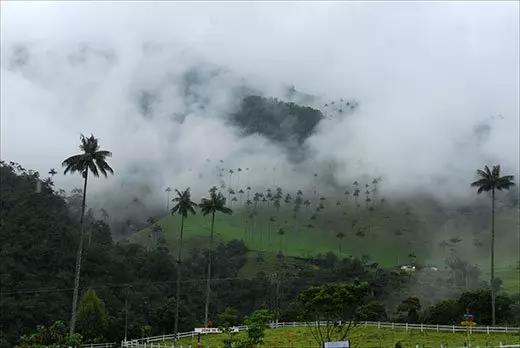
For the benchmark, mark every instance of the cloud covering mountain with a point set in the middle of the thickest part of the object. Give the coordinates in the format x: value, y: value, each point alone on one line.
x: 156, y: 82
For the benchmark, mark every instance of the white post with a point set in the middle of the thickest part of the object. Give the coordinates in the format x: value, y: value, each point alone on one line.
x: 438, y: 331
x: 378, y: 324
x: 453, y: 329
x: 422, y: 327
x: 406, y: 326
x: 392, y: 325
x: 487, y: 329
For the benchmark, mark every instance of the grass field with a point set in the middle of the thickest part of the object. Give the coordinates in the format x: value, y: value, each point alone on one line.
x: 366, y: 337
x: 386, y: 235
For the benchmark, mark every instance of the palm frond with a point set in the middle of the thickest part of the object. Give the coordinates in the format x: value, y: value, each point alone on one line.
x: 93, y: 168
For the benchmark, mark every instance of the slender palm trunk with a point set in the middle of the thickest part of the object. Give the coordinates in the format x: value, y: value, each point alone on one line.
x: 78, y: 261
x: 269, y: 234
x: 178, y: 295
x: 208, y: 288
x: 493, y: 313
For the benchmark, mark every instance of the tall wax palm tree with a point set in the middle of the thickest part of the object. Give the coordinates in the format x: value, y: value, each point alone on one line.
x: 91, y: 159
x: 271, y: 220
x: 489, y: 180
x: 241, y: 194
x: 340, y: 236
x: 183, y: 207
x: 356, y: 195
x: 168, y: 190
x: 281, y: 232
x: 216, y: 203
x: 315, y: 181
x: 231, y: 171
x: 346, y: 193
x: 307, y: 204
x: 52, y: 172
x: 238, y: 177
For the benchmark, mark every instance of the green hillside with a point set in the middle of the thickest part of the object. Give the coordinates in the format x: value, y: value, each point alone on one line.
x: 389, y: 233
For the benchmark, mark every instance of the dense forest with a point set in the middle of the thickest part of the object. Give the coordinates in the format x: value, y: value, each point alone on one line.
x: 39, y: 234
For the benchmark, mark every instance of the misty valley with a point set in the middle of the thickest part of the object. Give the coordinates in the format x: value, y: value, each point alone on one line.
x: 247, y: 175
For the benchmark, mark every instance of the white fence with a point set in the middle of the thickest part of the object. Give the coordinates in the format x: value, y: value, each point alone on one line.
x: 148, y: 342
x: 98, y: 345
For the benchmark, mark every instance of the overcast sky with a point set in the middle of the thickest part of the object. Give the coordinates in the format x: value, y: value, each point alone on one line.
x: 425, y: 74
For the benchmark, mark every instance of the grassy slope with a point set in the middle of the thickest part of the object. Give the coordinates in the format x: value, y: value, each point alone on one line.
x: 367, y: 337
x: 420, y: 233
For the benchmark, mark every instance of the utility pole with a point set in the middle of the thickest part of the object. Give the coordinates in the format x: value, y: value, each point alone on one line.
x: 127, y: 290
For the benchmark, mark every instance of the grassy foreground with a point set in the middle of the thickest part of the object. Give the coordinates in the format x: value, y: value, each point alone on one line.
x: 365, y: 337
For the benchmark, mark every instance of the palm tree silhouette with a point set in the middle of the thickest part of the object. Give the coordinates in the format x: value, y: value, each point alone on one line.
x: 168, y: 190
x: 307, y: 204
x: 238, y: 177
x: 315, y: 181
x: 240, y: 194
x: 271, y: 220
x: 183, y: 207
x: 281, y: 232
x: 215, y: 203
x: 231, y: 171
x: 93, y: 160
x: 356, y: 195
x: 491, y: 181
x: 340, y: 236
x: 346, y: 193
x: 52, y: 172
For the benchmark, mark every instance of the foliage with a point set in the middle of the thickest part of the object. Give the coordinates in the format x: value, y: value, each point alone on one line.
x: 227, y: 319
x: 373, y: 311
x: 444, y: 312
x: 92, y: 321
x: 335, y: 304
x: 53, y: 336
x: 257, y: 323
x: 277, y: 120
x: 409, y: 310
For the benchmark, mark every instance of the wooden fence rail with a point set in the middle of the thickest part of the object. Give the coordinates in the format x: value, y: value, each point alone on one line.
x: 148, y: 341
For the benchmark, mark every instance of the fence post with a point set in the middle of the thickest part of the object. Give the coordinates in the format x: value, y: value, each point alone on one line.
x: 378, y: 324
x: 453, y: 329
x: 406, y: 327
x: 438, y: 331
x: 422, y: 327
x: 366, y: 323
x: 487, y: 329
x: 392, y: 325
